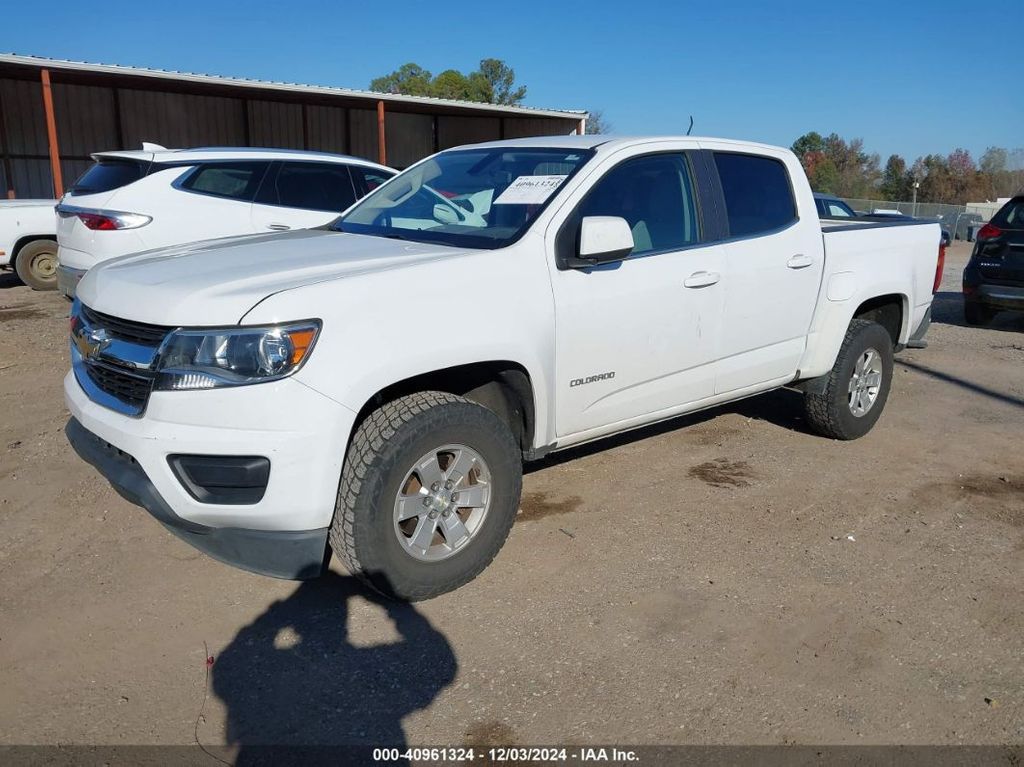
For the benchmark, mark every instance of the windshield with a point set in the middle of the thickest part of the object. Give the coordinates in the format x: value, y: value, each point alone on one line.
x: 474, y: 198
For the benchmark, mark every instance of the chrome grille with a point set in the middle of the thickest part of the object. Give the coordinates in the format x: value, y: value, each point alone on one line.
x: 128, y: 330
x: 130, y: 388
x: 114, y: 358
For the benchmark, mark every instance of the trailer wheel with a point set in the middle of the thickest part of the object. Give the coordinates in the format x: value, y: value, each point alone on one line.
x: 857, y: 386
x: 429, y: 491
x: 36, y: 264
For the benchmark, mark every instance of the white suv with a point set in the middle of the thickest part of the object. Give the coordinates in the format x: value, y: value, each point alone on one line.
x: 138, y: 200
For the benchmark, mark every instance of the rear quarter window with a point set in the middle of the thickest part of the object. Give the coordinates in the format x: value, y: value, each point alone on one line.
x: 1011, y: 215
x: 232, y: 180
x: 758, y: 193
x: 108, y: 175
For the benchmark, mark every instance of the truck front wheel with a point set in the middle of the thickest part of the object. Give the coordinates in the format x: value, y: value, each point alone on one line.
x: 36, y: 264
x: 429, y: 491
x: 857, y: 386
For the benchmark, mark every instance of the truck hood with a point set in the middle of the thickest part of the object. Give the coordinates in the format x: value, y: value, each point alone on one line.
x: 218, y: 281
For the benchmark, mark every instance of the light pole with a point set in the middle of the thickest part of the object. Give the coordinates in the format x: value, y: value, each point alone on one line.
x: 916, y: 185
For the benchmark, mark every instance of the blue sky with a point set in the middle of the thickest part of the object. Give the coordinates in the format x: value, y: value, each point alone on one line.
x: 907, y: 77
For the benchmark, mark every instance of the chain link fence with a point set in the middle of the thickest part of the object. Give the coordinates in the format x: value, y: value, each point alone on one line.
x: 961, y: 221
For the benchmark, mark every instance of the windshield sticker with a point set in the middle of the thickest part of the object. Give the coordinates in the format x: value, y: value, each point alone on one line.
x: 529, y: 190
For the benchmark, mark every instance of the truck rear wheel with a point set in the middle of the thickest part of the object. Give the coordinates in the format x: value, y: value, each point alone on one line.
x: 36, y: 264
x: 428, y: 494
x: 857, y: 386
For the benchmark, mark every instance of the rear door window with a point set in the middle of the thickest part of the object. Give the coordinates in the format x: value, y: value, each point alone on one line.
x: 310, y: 186
x: 108, y: 175
x: 758, y: 195
x: 233, y: 180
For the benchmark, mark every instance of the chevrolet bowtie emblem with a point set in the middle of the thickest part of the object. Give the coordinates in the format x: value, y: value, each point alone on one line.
x: 91, y: 341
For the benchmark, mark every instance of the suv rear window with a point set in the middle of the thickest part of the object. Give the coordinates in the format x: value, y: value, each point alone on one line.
x: 107, y: 175
x: 1011, y: 215
x: 234, y: 180
x: 758, y: 195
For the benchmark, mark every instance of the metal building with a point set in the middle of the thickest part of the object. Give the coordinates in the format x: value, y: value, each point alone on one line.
x: 54, y: 114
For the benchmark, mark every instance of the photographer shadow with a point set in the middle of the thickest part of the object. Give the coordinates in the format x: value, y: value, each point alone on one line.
x: 296, y: 688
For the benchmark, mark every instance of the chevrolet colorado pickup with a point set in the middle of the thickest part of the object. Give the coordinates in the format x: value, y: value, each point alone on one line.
x: 371, y: 387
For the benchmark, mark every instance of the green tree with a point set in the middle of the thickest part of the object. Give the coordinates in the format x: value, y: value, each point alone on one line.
x: 409, y: 79
x: 494, y: 83
x: 497, y: 83
x: 808, y: 143
x: 835, y: 166
x: 451, y: 84
x: 896, y: 181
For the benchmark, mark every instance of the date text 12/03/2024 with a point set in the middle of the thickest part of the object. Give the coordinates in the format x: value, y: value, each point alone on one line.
x: 506, y: 754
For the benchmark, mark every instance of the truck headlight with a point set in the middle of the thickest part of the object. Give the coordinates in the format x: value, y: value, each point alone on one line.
x: 208, y: 359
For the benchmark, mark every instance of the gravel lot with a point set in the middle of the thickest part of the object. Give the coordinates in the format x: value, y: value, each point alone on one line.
x: 726, y: 578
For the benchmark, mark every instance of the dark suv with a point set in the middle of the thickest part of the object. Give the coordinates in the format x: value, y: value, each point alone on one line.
x: 994, y: 277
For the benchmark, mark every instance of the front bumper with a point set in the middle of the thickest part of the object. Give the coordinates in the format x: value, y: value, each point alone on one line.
x: 68, y: 279
x: 301, y: 432
x: 281, y: 554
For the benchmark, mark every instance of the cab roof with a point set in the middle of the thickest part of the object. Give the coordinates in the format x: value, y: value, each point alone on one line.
x: 605, y: 143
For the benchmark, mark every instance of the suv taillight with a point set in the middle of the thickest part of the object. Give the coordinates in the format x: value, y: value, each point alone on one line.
x: 97, y: 221
x: 940, y: 264
x: 103, y: 220
x: 988, y: 231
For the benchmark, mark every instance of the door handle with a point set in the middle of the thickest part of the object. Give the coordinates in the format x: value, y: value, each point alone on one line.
x: 701, y: 279
x: 279, y: 227
x: 799, y: 261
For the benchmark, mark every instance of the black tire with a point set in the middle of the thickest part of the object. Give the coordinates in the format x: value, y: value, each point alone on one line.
x: 977, y: 314
x: 385, y: 447
x: 36, y: 264
x: 829, y: 413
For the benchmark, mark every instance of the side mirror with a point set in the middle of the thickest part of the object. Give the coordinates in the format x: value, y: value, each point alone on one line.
x: 603, y: 239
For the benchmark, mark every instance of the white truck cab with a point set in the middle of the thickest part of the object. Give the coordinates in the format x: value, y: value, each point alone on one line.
x: 372, y: 387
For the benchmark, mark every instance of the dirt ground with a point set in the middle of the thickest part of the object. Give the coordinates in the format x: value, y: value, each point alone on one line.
x: 726, y: 578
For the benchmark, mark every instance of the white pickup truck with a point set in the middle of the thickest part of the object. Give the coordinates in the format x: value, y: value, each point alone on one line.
x: 373, y: 386
x: 28, y: 241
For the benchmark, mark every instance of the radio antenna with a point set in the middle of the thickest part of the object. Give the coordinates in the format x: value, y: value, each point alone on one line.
x: 691, y: 126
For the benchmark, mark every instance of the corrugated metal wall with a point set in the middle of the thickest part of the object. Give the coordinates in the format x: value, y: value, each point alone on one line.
x: 86, y: 119
x: 93, y: 118
x: 275, y: 124
x: 180, y: 119
x: 364, y: 133
x: 521, y: 127
x: 24, y: 131
x: 408, y: 138
x: 326, y: 129
x: 453, y: 131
